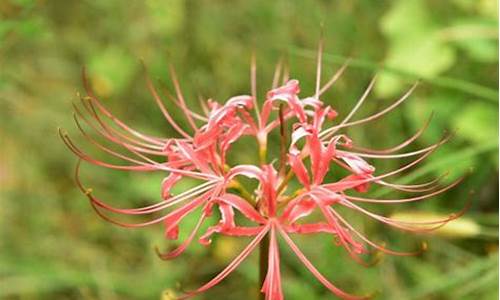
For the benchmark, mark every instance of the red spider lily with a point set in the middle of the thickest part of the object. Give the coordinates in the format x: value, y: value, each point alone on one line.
x: 272, y: 208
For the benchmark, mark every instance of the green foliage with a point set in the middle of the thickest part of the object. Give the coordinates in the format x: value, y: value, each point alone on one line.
x: 415, y: 44
x: 52, y: 244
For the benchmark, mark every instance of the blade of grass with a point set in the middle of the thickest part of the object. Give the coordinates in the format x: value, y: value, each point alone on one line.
x: 488, y: 279
x: 38, y: 277
x: 461, y: 276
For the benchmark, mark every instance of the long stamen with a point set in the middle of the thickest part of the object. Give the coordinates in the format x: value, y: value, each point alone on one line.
x: 154, y: 166
x: 334, y: 78
x: 339, y: 231
x: 170, y: 97
x: 415, y: 188
x: 400, y: 155
x: 331, y: 131
x: 315, y: 271
x: 179, y: 250
x: 165, y: 112
x: 318, y: 67
x: 425, y: 184
x: 113, y: 118
x: 327, y: 132
x: 67, y: 141
x: 286, y: 72
x: 253, y: 84
x: 180, y: 97
x: 277, y: 73
x: 102, y: 147
x: 157, y: 220
x: 408, y: 226
x: 147, y: 209
x: 287, y: 114
x: 203, y: 105
x: 108, y: 136
x: 412, y: 199
x: 91, y: 110
x: 375, y: 178
x: 203, y: 174
x: 400, y: 146
x: 190, y: 206
x: 233, y: 265
x: 373, y: 244
x: 402, y: 187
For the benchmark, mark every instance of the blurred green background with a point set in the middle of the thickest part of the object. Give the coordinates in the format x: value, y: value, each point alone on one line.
x: 53, y: 246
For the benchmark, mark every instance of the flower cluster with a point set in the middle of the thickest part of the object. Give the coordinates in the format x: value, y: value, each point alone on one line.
x: 308, y: 152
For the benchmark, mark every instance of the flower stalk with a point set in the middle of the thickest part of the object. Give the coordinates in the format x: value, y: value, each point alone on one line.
x: 263, y: 263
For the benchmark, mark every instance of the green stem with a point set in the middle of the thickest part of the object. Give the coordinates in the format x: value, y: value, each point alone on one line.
x: 287, y: 179
x: 264, y: 244
x: 235, y: 184
x: 263, y: 261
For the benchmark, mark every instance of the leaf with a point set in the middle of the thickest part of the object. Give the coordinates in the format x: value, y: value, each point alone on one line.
x: 455, y: 278
x: 477, y: 37
x: 481, y: 50
x: 414, y: 45
x: 478, y: 123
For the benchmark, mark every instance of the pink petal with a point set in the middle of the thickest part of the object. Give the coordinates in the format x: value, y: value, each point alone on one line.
x: 311, y: 101
x: 239, y: 231
x: 298, y: 134
x: 243, y: 206
x: 168, y: 183
x: 229, y: 108
x: 316, y: 153
x: 287, y: 93
x: 359, y: 165
x: 227, y: 224
x: 249, y: 171
x: 196, y: 158
x: 296, y: 209
x: 309, y: 228
x: 269, y: 186
x: 299, y: 168
x: 173, y: 219
x: 272, y: 283
x: 232, y: 135
x: 324, y: 164
x: 358, y: 182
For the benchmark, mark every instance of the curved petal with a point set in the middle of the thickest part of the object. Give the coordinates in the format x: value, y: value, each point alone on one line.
x: 243, y: 206
x: 182, y: 247
x: 272, y: 283
x: 299, y: 168
x: 168, y: 183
